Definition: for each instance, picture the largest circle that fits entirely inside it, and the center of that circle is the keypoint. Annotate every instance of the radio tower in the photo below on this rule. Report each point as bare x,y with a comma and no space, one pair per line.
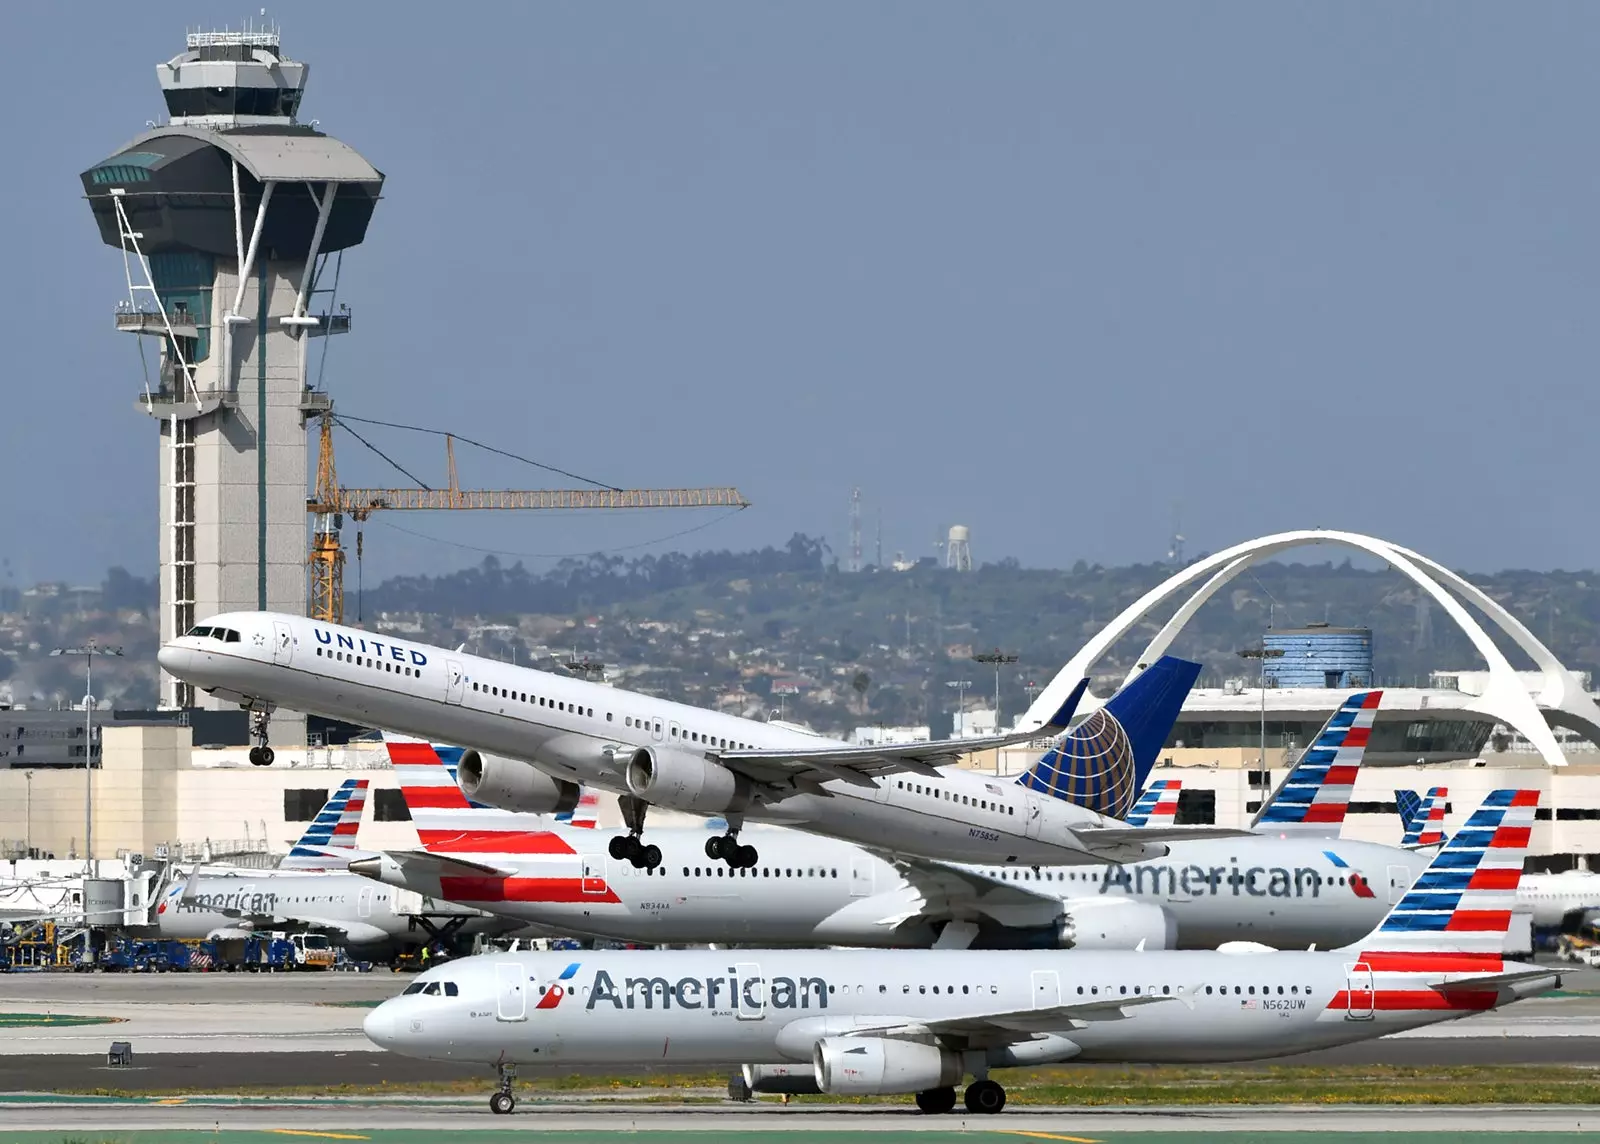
855,530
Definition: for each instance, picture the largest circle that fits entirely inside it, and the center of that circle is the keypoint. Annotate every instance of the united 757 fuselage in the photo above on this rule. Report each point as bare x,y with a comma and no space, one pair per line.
587,733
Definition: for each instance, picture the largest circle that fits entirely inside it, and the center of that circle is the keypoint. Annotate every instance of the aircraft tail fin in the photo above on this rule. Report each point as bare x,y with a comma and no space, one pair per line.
333,830
1158,805
1314,797
444,816
1103,762
1463,901
1424,826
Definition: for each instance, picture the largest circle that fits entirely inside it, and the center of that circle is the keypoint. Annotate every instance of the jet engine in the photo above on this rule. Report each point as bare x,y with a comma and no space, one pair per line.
682,780
874,1066
511,785
1116,923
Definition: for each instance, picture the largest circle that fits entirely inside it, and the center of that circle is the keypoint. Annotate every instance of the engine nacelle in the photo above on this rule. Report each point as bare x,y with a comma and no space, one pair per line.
792,1080
1116,924
511,785
873,1066
681,780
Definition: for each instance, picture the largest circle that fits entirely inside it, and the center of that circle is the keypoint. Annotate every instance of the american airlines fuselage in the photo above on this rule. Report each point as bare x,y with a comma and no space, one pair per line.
1281,892
586,732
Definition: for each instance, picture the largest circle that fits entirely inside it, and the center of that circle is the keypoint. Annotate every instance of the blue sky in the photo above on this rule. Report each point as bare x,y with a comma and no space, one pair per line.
1053,271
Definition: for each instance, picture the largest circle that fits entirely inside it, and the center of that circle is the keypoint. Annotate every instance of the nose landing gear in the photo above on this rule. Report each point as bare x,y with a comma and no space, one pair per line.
502,1102
261,755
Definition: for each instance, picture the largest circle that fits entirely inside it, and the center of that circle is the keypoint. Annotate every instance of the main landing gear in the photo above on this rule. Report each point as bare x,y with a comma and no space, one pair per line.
726,847
984,1097
260,754
632,848
503,1102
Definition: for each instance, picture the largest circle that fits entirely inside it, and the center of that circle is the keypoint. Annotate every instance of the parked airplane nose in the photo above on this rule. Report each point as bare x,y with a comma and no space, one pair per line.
379,1027
175,660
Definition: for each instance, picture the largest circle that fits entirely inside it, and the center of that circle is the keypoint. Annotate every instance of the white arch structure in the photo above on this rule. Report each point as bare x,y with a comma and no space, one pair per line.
1506,697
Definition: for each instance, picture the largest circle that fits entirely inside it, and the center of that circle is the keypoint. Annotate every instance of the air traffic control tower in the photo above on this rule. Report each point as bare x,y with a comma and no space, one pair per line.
226,219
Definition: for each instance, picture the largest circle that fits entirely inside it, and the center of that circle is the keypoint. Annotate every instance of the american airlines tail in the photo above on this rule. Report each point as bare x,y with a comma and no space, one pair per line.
330,841
443,815
1463,901
1422,816
1314,797
1103,762
1158,805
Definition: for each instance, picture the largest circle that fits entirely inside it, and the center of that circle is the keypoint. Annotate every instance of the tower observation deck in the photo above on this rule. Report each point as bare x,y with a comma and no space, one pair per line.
228,218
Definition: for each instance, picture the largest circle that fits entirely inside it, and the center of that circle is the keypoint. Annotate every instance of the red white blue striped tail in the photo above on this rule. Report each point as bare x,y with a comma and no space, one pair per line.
446,820
333,830
1463,901
1426,824
1314,797
1158,805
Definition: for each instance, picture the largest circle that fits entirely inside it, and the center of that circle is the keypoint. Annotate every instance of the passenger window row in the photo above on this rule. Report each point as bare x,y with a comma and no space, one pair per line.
376,664
952,796
537,700
685,736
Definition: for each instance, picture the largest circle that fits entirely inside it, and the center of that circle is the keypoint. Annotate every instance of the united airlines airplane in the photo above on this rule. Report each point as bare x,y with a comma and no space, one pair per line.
873,1022
902,797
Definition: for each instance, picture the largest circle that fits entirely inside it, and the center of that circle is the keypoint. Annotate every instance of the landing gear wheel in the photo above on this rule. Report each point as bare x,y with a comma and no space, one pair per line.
621,847
985,1097
747,857
714,847
255,756
649,857
937,1101
267,756
502,1103
738,1090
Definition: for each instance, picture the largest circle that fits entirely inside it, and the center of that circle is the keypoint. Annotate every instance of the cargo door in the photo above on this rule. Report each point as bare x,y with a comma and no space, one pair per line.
282,642
752,999
511,982
455,682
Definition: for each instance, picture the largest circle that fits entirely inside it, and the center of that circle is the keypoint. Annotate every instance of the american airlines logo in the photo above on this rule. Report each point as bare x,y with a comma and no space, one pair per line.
728,993
369,647
1215,881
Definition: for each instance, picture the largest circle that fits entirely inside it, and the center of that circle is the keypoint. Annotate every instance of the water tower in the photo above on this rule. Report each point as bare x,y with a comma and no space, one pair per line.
230,219
958,548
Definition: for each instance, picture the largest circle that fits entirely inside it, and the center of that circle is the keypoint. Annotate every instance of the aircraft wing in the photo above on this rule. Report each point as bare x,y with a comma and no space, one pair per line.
1095,836
858,765
944,890
445,864
981,1030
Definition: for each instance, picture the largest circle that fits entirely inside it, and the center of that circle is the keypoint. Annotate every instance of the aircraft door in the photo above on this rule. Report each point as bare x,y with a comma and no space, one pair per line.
1046,989
860,877
282,642
455,682
511,1001
752,1001
1399,883
1035,813
656,732
594,874
1359,991
364,901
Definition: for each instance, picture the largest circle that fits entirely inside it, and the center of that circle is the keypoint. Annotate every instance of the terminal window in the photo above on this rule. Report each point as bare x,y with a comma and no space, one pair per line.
302,804
389,806
1196,808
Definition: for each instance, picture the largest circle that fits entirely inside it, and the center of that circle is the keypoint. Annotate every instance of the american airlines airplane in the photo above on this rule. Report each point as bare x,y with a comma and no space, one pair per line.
871,1022
903,797
1269,889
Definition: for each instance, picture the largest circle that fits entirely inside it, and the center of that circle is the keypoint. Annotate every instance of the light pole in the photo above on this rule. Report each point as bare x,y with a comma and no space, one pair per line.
1261,653
960,687
996,659
27,837
88,651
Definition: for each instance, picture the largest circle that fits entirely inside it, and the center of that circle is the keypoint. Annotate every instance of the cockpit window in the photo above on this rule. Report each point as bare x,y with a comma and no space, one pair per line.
224,635
432,989
200,632
232,636
450,989
414,987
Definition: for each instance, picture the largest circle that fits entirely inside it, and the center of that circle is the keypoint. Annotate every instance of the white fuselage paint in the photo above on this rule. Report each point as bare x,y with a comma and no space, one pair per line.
701,1007
586,732
1553,898
1282,892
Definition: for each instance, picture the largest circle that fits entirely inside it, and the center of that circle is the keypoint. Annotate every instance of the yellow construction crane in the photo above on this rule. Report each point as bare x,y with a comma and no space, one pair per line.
330,504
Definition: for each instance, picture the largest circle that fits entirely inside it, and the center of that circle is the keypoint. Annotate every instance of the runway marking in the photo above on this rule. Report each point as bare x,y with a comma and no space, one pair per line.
318,1135
1054,1136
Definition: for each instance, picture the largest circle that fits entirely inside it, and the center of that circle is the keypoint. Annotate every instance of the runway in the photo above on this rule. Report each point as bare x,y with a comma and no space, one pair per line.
411,1122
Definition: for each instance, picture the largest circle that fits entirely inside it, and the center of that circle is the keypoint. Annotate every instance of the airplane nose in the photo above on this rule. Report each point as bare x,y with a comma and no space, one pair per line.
174,660
379,1027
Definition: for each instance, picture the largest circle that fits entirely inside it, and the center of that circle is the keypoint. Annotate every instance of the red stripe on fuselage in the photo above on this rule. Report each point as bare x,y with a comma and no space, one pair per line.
1402,1000
493,842
489,888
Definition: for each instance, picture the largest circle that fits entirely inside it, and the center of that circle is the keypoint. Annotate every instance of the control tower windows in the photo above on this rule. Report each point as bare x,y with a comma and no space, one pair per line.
273,101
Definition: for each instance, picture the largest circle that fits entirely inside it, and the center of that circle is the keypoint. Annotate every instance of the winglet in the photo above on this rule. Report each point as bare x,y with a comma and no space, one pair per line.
1062,719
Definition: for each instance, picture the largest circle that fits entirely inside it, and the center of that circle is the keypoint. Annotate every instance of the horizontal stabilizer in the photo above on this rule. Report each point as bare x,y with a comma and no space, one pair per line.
445,864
